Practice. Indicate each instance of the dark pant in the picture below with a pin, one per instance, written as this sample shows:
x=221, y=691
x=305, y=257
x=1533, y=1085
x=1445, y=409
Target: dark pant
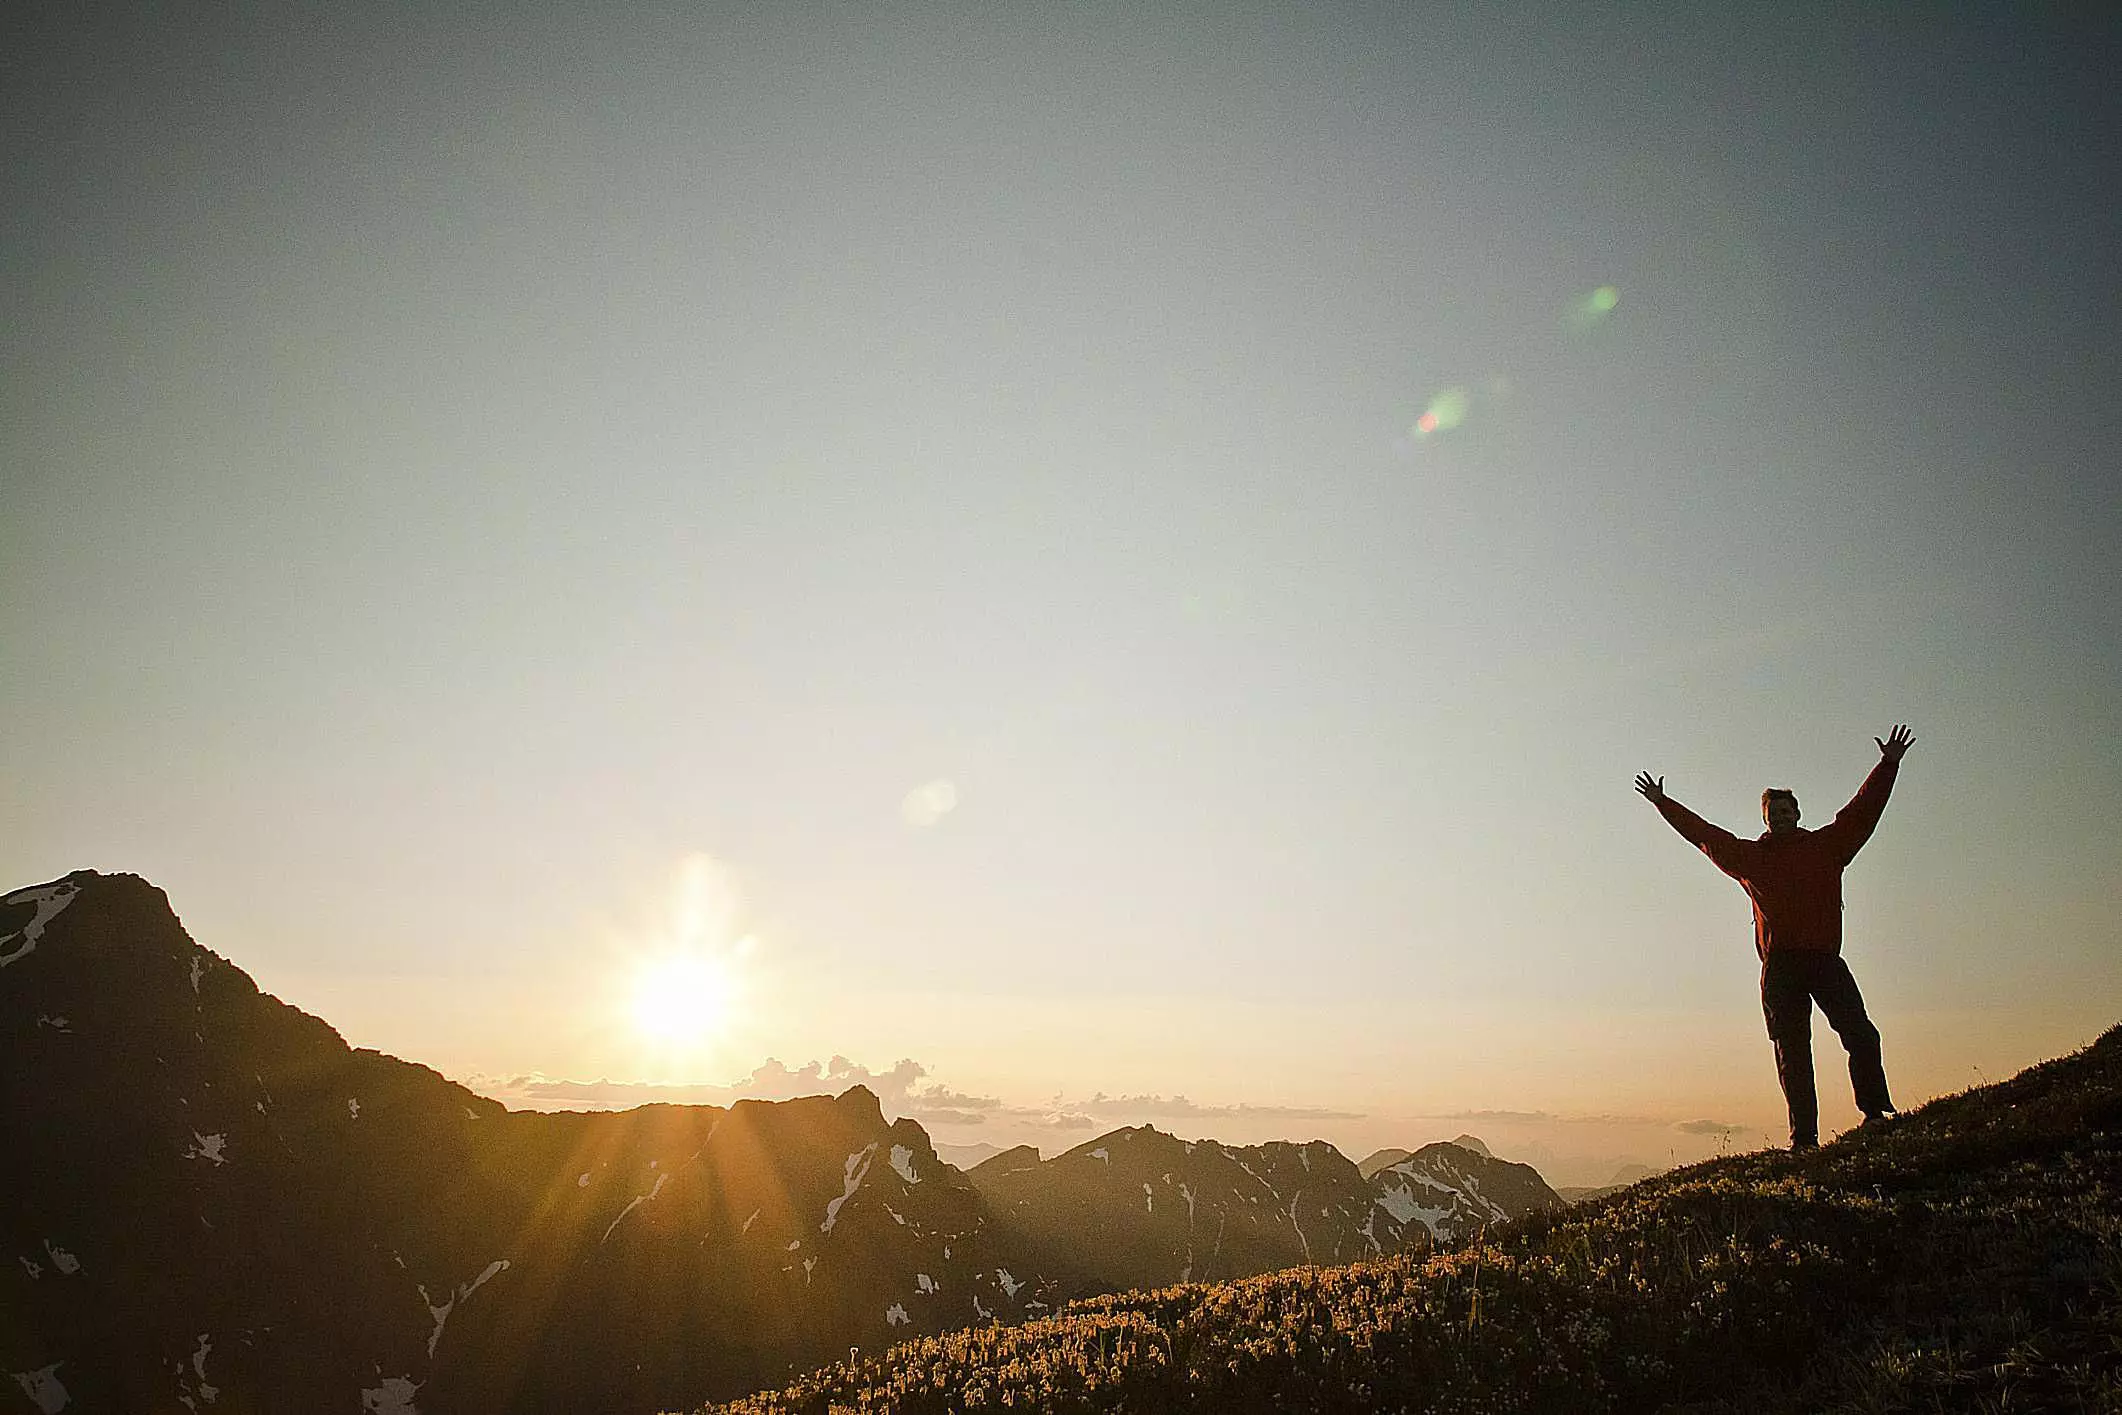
x=1790, y=984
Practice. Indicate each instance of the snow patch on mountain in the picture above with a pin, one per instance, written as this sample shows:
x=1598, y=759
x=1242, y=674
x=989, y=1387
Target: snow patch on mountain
x=393, y=1397
x=903, y=1161
x=1400, y=1202
x=857, y=1170
x=43, y=1388
x=1466, y=1189
x=465, y=1289
x=1256, y=1178
x=636, y=1202
x=199, y=1387
x=51, y=900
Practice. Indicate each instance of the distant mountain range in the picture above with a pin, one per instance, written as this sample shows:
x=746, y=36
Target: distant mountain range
x=212, y=1201
x=966, y=1156
x=1164, y=1210
x=1379, y=1159
x=1624, y=1177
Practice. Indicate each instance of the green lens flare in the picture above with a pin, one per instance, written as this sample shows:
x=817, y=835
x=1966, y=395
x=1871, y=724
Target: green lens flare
x=1450, y=407
x=1446, y=411
x=1593, y=307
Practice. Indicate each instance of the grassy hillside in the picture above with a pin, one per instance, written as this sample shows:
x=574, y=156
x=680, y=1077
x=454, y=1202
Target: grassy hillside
x=1967, y=1256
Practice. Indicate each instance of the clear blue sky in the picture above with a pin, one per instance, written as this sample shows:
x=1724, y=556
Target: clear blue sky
x=456, y=467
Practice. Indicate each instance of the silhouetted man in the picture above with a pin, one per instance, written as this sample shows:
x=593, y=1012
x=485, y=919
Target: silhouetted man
x=1794, y=877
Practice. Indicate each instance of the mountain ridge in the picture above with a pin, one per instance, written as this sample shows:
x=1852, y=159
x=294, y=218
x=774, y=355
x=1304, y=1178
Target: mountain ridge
x=214, y=1198
x=281, y=1219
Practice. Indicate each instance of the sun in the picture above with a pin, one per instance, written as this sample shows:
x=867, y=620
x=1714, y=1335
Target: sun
x=683, y=999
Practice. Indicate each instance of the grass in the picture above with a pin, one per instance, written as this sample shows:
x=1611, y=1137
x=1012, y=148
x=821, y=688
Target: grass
x=1965, y=1257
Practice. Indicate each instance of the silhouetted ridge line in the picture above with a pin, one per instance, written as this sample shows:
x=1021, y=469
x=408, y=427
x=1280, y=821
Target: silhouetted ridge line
x=214, y=1200
x=186, y=1155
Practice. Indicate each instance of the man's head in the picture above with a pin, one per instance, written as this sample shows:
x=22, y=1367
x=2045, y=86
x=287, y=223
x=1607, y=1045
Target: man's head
x=1779, y=808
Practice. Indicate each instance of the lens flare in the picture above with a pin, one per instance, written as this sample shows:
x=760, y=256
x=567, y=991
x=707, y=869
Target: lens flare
x=683, y=999
x=927, y=804
x=684, y=988
x=1593, y=307
x=1445, y=412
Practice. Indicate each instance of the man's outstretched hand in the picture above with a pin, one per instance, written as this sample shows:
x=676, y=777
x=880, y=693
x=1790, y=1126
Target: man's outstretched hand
x=1896, y=744
x=1653, y=787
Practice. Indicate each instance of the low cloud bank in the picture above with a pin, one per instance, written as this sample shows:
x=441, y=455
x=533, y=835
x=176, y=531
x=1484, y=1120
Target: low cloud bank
x=1567, y=1149
x=1714, y=1129
x=906, y=1090
x=903, y=1090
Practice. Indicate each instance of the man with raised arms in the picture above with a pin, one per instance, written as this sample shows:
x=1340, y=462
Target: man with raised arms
x=1794, y=877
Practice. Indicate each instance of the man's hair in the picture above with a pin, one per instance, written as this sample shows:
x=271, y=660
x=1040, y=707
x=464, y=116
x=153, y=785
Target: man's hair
x=1773, y=792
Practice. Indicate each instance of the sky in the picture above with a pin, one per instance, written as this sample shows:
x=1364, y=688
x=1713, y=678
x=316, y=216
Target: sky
x=1080, y=564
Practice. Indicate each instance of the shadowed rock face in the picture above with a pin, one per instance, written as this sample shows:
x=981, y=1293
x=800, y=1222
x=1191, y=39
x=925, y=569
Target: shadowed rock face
x=214, y=1202
x=1140, y=1208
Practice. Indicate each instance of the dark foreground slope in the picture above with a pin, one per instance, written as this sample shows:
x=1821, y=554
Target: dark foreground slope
x=1966, y=1256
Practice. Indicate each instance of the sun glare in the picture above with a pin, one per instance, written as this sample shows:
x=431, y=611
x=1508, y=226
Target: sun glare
x=682, y=1000
x=686, y=989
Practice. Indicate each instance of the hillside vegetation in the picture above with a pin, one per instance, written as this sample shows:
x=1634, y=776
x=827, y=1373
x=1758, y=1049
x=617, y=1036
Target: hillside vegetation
x=1967, y=1256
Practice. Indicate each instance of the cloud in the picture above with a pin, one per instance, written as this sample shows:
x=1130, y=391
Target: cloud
x=906, y=1090
x=1107, y=1107
x=1064, y=1120
x=900, y=1090
x=927, y=804
x=930, y=1118
x=1548, y=1117
x=945, y=1096
x=535, y=1092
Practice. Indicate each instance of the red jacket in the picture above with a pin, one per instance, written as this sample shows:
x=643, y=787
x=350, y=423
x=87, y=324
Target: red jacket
x=1795, y=880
